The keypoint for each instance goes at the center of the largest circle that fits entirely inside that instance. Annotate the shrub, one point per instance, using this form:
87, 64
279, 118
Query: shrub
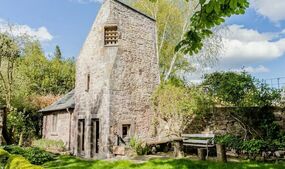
139, 147
14, 149
38, 156
34, 155
4, 155
230, 141
51, 145
253, 147
19, 162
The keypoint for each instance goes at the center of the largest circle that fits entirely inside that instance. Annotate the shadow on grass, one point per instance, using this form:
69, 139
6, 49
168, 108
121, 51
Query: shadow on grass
75, 163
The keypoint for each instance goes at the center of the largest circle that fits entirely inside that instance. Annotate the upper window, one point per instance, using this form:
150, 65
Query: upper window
111, 35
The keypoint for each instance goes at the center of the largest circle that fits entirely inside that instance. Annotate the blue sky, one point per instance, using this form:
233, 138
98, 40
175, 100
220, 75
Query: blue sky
255, 42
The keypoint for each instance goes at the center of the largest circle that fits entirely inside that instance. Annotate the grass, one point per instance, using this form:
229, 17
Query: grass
67, 162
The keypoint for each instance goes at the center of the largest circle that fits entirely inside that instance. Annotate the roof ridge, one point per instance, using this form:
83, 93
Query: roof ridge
136, 10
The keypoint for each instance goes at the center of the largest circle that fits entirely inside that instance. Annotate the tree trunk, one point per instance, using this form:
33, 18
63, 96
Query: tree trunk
202, 152
178, 149
5, 133
221, 153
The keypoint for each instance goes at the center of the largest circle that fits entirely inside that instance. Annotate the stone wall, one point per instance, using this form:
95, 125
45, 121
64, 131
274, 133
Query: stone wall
63, 128
221, 121
122, 77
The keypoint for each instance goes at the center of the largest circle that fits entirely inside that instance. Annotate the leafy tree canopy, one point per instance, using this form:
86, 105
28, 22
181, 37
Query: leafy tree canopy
240, 89
211, 13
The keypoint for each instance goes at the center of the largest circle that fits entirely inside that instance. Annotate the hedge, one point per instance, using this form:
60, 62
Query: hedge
15, 161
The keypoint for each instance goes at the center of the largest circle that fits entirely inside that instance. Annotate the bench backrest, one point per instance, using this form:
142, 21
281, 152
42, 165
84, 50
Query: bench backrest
198, 136
198, 139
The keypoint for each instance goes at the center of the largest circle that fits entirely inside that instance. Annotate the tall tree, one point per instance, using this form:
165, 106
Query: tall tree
199, 18
57, 53
9, 53
172, 18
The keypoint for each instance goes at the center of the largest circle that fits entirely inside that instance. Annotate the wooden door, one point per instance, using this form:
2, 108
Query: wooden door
81, 135
94, 137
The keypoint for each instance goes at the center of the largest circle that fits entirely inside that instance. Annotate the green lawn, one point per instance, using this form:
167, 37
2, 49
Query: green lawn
67, 162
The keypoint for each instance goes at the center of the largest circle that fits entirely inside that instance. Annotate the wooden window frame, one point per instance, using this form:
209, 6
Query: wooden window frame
54, 122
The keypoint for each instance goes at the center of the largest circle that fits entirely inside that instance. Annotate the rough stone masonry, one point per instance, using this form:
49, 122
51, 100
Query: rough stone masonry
117, 72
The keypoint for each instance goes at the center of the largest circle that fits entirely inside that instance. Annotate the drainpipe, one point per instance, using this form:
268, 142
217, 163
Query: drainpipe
69, 139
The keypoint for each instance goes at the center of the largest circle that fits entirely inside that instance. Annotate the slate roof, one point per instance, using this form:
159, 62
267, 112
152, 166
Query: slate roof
63, 103
137, 11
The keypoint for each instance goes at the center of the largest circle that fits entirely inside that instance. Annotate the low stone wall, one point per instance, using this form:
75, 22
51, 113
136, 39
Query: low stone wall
222, 121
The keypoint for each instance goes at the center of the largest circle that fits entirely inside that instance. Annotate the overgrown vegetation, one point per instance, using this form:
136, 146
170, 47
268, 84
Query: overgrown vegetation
33, 155
139, 146
10, 161
178, 105
50, 145
29, 81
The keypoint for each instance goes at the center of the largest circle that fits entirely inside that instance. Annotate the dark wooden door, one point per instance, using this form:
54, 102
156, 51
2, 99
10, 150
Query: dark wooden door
94, 137
81, 135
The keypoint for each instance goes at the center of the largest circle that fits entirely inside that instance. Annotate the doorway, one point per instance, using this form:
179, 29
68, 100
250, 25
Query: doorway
81, 135
95, 135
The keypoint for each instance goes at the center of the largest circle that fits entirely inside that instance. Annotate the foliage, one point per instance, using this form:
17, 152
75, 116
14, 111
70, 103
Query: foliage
14, 149
240, 89
139, 147
38, 156
172, 22
34, 155
250, 100
178, 105
46, 144
253, 147
19, 162
9, 52
37, 82
43, 76
4, 156
230, 141
210, 14
76, 163
57, 53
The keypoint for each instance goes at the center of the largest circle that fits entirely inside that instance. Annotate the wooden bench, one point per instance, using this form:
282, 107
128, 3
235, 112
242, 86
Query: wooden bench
204, 141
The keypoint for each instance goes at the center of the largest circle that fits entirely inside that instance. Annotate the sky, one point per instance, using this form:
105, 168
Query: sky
254, 42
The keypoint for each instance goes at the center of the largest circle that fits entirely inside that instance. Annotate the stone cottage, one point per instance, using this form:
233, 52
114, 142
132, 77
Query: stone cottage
58, 120
116, 73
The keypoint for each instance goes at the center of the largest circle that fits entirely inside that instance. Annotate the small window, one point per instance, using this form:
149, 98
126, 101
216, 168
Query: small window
54, 122
126, 131
88, 83
111, 35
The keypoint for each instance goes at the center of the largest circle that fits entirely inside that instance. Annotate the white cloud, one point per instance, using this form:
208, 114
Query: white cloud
254, 70
272, 9
244, 46
41, 33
